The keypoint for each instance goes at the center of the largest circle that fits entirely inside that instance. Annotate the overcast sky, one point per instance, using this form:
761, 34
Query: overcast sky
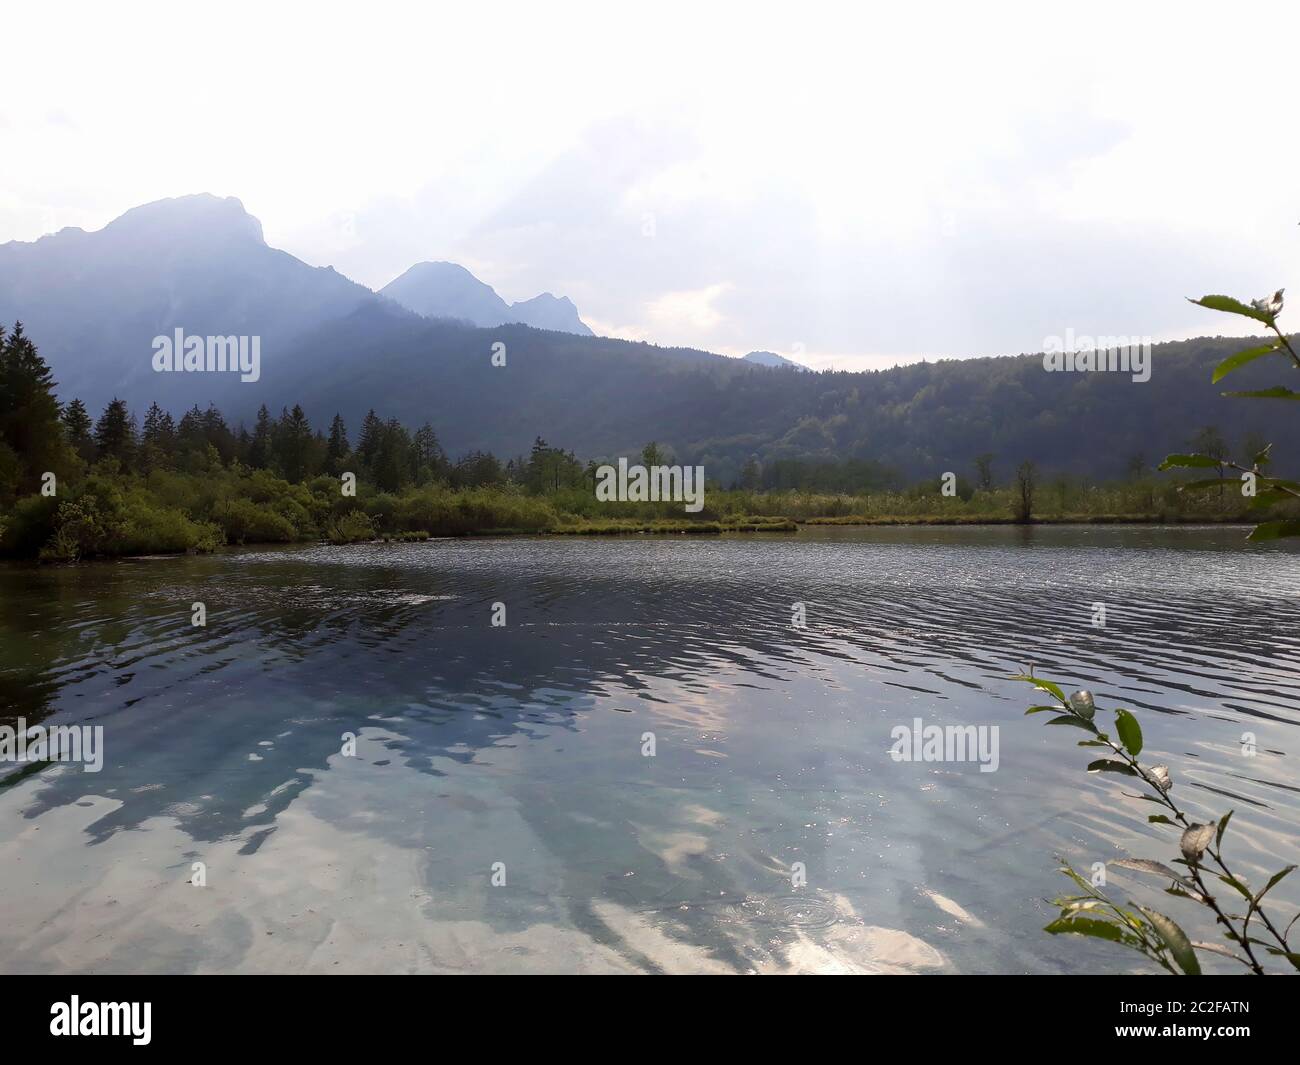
850, 184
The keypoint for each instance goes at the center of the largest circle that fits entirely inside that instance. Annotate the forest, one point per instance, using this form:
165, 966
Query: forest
79, 484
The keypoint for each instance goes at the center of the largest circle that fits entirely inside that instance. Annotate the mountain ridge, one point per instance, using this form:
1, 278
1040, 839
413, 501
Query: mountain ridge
449, 290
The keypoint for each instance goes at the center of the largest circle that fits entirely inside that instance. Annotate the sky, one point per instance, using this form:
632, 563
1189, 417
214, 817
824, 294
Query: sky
850, 185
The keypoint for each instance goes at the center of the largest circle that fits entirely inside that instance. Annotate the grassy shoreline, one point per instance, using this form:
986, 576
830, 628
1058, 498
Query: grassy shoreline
106, 512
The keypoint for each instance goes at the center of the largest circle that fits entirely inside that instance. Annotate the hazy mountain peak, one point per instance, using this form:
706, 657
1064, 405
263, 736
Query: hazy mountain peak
771, 358
550, 312
448, 290
201, 216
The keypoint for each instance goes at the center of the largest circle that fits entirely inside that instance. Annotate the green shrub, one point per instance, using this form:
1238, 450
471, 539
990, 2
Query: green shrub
352, 528
242, 520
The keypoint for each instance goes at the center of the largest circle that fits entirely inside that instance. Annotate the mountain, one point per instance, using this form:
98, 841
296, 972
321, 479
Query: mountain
447, 290
771, 358
550, 312
96, 300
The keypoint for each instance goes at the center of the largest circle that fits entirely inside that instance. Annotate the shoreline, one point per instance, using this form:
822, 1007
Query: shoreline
660, 528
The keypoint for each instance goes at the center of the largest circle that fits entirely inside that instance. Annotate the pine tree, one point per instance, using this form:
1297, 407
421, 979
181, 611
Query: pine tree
190, 435
392, 465
372, 432
337, 449
77, 428
430, 460
259, 450
159, 428
115, 434
29, 411
293, 445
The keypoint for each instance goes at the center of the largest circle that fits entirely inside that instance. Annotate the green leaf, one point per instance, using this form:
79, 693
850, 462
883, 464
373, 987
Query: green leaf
1049, 687
1290, 956
1236, 885
1068, 870
1274, 530
1269, 497
1232, 362
1223, 826
1276, 392
1227, 303
1077, 722
1176, 940
1197, 461
1216, 948
1272, 880
1109, 765
1159, 819
1040, 709
1130, 732
1089, 926
1146, 865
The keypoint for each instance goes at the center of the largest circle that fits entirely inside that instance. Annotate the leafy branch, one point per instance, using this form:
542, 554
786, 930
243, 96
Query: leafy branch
1266, 490
1148, 931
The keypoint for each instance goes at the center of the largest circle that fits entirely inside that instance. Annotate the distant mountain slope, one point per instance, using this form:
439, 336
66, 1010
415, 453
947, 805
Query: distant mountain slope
604, 397
771, 358
96, 300
447, 290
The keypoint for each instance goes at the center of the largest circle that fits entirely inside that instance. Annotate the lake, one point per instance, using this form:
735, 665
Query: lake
648, 767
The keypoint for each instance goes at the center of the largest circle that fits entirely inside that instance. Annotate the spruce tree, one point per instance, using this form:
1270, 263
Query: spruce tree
259, 450
29, 411
115, 434
336, 450
77, 428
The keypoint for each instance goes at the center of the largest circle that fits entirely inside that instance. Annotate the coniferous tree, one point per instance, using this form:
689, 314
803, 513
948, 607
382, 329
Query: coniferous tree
336, 448
391, 468
372, 431
29, 412
190, 435
259, 450
293, 445
77, 428
430, 460
217, 434
115, 435
157, 438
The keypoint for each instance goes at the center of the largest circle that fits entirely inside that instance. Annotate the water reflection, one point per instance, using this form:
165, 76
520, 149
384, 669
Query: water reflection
523, 745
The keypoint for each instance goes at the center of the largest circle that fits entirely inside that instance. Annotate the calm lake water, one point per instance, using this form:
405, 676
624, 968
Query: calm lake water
524, 745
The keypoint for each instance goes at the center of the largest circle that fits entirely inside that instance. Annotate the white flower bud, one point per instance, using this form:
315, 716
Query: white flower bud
1195, 840
1081, 703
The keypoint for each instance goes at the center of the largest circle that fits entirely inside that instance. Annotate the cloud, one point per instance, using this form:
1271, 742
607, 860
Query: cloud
687, 312
870, 184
